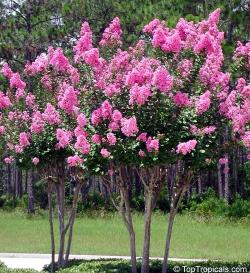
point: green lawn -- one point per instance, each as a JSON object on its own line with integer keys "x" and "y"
{"x": 107, "y": 236}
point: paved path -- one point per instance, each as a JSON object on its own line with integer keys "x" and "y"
{"x": 38, "y": 261}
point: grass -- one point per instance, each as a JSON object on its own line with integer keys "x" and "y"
{"x": 229, "y": 241}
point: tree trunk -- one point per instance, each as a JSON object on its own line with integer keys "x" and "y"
{"x": 182, "y": 185}
{"x": 226, "y": 188}
{"x": 72, "y": 220}
{"x": 30, "y": 190}
{"x": 172, "y": 215}
{"x": 147, "y": 232}
{"x": 127, "y": 217}
{"x": 52, "y": 235}
{"x": 60, "y": 198}
{"x": 219, "y": 180}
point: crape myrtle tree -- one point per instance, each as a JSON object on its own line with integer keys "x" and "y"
{"x": 156, "y": 104}
{"x": 45, "y": 128}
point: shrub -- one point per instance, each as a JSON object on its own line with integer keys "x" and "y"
{"x": 239, "y": 208}
{"x": 120, "y": 266}
{"x": 207, "y": 205}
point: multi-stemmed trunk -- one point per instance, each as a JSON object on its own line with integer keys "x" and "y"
{"x": 152, "y": 180}
{"x": 55, "y": 179}
{"x": 177, "y": 194}
{"x": 123, "y": 183}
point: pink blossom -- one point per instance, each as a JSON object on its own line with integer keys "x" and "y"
{"x": 4, "y": 101}
{"x": 19, "y": 93}
{"x": 39, "y": 65}
{"x": 96, "y": 139}
{"x": 203, "y": 103}
{"x": 151, "y": 26}
{"x": 74, "y": 75}
{"x": 6, "y": 70}
{"x": 116, "y": 116}
{"x": 105, "y": 153}
{"x": 58, "y": 60}
{"x": 185, "y": 67}
{"x": 111, "y": 90}
{"x": 35, "y": 160}
{"x": 111, "y": 139}
{"x": 181, "y": 99}
{"x": 129, "y": 126}
{"x": 112, "y": 34}
{"x": 79, "y": 131}
{"x": 67, "y": 98}
{"x": 24, "y": 139}
{"x": 114, "y": 126}
{"x": 64, "y": 138}
{"x": 81, "y": 120}
{"x": 30, "y": 100}
{"x": 139, "y": 94}
{"x": 51, "y": 115}
{"x": 37, "y": 124}
{"x": 106, "y": 109}
{"x": 141, "y": 153}
{"x": 74, "y": 161}
{"x": 96, "y": 117}
{"x": 223, "y": 160}
{"x": 16, "y": 82}
{"x": 18, "y": 149}
{"x": 92, "y": 57}
{"x": 172, "y": 43}
{"x": 152, "y": 145}
{"x": 47, "y": 82}
{"x": 163, "y": 80}
{"x": 186, "y": 147}
{"x": 209, "y": 130}
{"x": 82, "y": 144}
{"x": 9, "y": 159}
{"x": 84, "y": 43}
{"x": 142, "y": 137}
{"x": 246, "y": 139}
{"x": 2, "y": 130}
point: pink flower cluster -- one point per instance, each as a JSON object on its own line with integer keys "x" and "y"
{"x": 163, "y": 80}
{"x": 204, "y": 131}
{"x": 186, "y": 147}
{"x": 24, "y": 139}
{"x": 67, "y": 98}
{"x": 51, "y": 115}
{"x": 84, "y": 43}
{"x": 35, "y": 160}
{"x": 139, "y": 94}
{"x": 82, "y": 144}
{"x": 129, "y": 126}
{"x": 203, "y": 103}
{"x": 4, "y": 101}
{"x": 37, "y": 124}
{"x": 74, "y": 161}
{"x": 223, "y": 160}
{"x": 105, "y": 153}
{"x": 181, "y": 99}
{"x": 243, "y": 51}
{"x": 64, "y": 138}
{"x": 112, "y": 34}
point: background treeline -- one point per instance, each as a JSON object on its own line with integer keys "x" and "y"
{"x": 28, "y": 27}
